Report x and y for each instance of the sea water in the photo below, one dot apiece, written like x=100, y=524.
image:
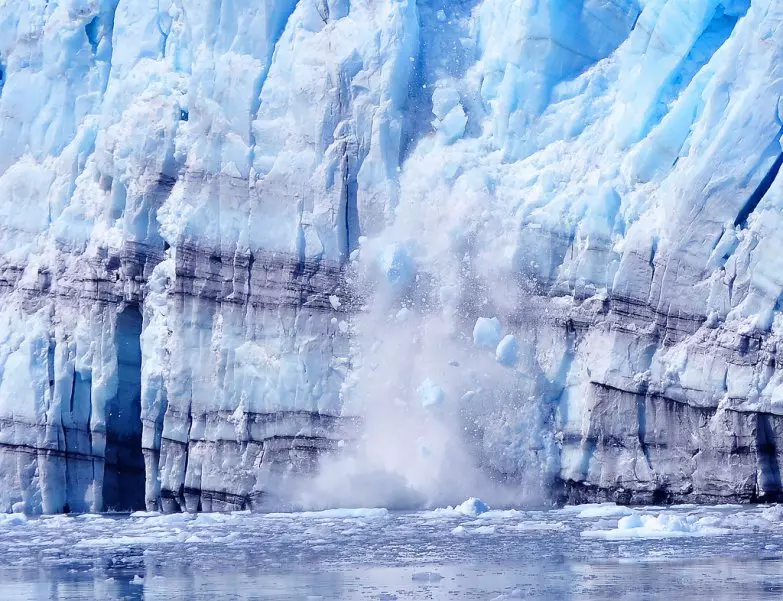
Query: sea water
x=454, y=553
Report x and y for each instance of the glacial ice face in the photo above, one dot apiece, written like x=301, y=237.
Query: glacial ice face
x=612, y=216
x=311, y=203
x=166, y=159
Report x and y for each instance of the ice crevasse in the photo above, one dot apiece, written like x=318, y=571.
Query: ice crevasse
x=464, y=243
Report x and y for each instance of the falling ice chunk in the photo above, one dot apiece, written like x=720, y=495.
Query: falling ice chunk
x=507, y=351
x=443, y=100
x=430, y=394
x=397, y=266
x=452, y=126
x=486, y=332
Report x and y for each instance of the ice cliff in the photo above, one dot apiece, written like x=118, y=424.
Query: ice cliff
x=529, y=244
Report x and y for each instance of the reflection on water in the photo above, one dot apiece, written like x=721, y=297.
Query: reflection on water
x=505, y=555
x=718, y=579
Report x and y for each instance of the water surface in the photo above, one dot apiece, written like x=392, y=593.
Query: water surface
x=590, y=552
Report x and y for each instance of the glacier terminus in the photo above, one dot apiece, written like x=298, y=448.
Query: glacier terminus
x=303, y=254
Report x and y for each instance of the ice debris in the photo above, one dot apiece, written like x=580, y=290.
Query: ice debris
x=472, y=507
x=507, y=351
x=486, y=332
x=430, y=394
x=663, y=525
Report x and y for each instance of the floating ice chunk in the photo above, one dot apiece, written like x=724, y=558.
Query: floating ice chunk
x=773, y=513
x=538, y=526
x=13, y=519
x=605, y=510
x=430, y=394
x=426, y=577
x=514, y=594
x=145, y=514
x=473, y=507
x=216, y=518
x=500, y=514
x=630, y=522
x=663, y=525
x=507, y=351
x=362, y=512
x=458, y=530
x=486, y=332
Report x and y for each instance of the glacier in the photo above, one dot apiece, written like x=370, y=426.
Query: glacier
x=389, y=252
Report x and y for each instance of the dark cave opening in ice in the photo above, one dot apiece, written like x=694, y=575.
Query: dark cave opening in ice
x=123, y=480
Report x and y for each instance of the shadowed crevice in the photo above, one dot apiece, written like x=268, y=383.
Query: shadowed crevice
x=123, y=481
x=759, y=193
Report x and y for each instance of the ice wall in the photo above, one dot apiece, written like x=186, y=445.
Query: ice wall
x=205, y=163
x=318, y=206
x=609, y=215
